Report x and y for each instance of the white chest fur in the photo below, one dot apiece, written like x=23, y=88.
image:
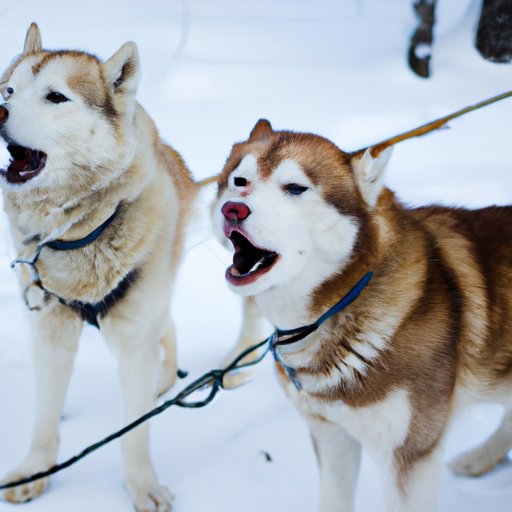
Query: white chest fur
x=380, y=427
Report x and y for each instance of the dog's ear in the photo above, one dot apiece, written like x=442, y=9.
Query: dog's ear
x=33, y=40
x=122, y=70
x=369, y=172
x=261, y=131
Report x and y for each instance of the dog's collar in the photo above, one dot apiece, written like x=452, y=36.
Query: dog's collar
x=68, y=245
x=71, y=245
x=288, y=337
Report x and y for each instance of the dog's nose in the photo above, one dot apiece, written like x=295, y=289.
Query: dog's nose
x=4, y=114
x=235, y=211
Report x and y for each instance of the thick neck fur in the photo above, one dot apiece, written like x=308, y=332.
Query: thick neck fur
x=309, y=295
x=72, y=211
x=348, y=346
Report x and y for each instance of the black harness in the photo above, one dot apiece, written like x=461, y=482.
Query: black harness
x=92, y=312
x=87, y=311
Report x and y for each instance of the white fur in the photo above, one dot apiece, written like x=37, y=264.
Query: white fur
x=314, y=240
x=94, y=165
x=322, y=383
x=380, y=428
x=369, y=172
x=71, y=133
x=421, y=488
x=54, y=349
x=247, y=168
x=114, y=68
x=311, y=237
x=339, y=459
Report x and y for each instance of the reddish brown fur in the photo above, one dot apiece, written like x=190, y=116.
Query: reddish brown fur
x=187, y=192
x=430, y=263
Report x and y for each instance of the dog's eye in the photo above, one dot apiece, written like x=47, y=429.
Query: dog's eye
x=240, y=182
x=7, y=93
x=294, y=189
x=56, y=97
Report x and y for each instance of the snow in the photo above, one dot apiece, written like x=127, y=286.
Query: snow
x=211, y=68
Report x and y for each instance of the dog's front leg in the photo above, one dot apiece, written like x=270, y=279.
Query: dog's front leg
x=252, y=331
x=137, y=348
x=411, y=484
x=339, y=458
x=56, y=332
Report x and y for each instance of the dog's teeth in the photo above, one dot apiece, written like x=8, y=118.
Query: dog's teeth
x=257, y=264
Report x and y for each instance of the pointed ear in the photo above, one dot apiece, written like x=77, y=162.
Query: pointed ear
x=122, y=70
x=33, y=40
x=261, y=131
x=369, y=172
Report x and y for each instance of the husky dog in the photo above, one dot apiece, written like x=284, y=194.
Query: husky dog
x=97, y=206
x=430, y=332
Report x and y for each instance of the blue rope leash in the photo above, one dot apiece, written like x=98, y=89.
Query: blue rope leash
x=283, y=338
x=294, y=335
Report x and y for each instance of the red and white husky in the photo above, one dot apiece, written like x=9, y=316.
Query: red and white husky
x=432, y=330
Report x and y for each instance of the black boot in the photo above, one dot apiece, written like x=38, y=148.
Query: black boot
x=494, y=34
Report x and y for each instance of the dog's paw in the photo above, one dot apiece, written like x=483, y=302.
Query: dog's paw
x=236, y=379
x=476, y=462
x=25, y=492
x=34, y=462
x=156, y=498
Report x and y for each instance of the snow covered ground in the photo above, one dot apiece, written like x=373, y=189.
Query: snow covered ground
x=211, y=68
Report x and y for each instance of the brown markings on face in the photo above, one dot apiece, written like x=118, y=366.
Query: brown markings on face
x=86, y=79
x=47, y=57
x=327, y=166
x=238, y=151
x=89, y=82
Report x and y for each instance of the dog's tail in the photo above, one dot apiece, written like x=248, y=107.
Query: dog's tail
x=207, y=181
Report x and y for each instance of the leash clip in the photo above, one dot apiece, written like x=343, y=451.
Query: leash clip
x=31, y=263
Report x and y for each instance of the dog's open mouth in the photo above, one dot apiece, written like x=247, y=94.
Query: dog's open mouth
x=25, y=164
x=249, y=262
